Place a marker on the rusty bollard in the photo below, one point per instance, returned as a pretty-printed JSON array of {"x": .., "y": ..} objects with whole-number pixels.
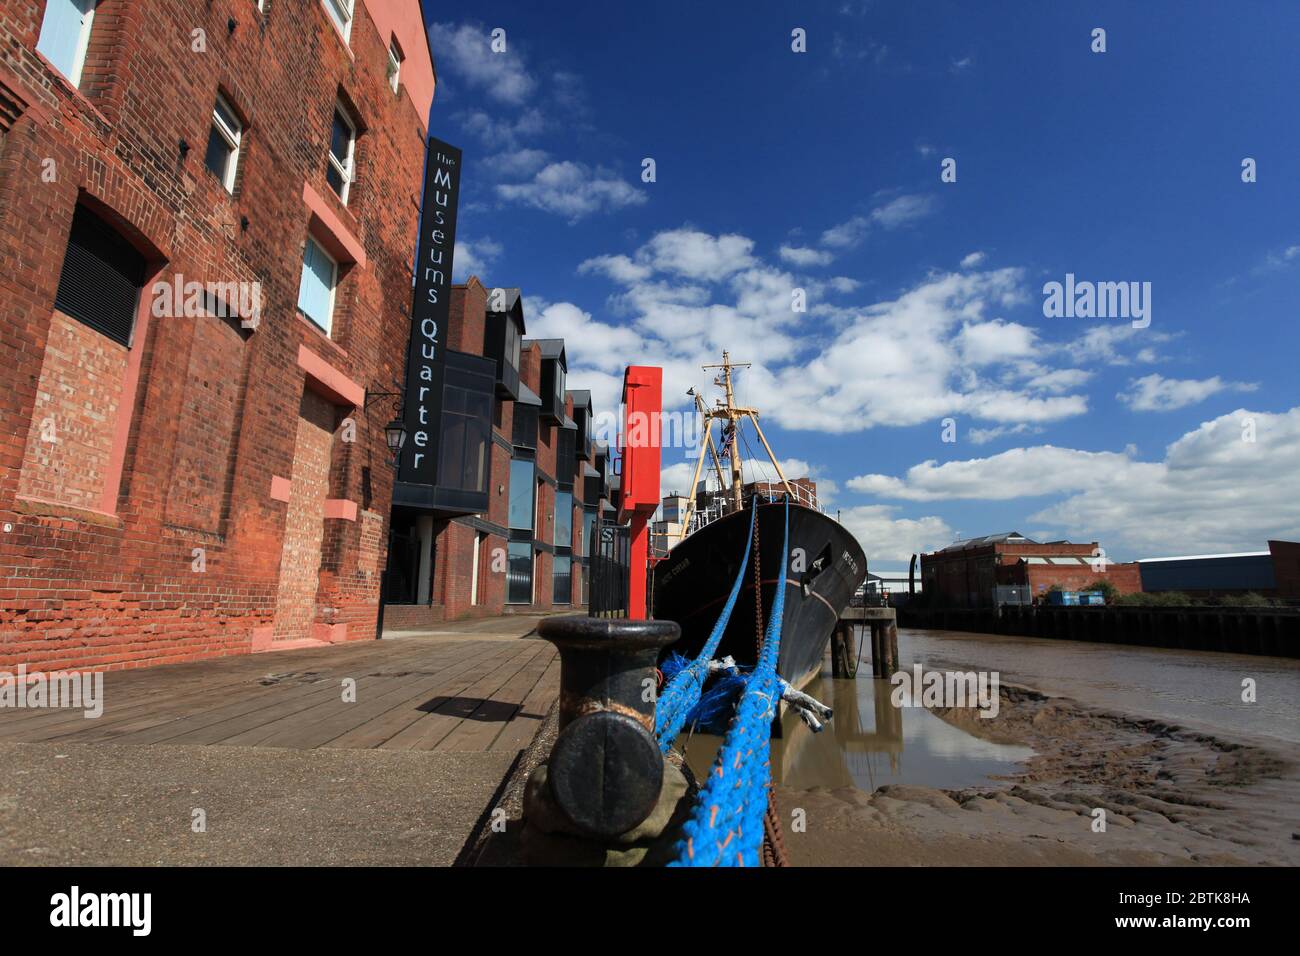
[{"x": 605, "y": 771}]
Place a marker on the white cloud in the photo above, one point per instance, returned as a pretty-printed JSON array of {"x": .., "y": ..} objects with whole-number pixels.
[
  {"x": 619, "y": 268},
  {"x": 844, "y": 284},
  {"x": 804, "y": 256},
  {"x": 573, "y": 190},
  {"x": 473, "y": 257},
  {"x": 972, "y": 260},
  {"x": 1060, "y": 379},
  {"x": 463, "y": 51},
  {"x": 897, "y": 212},
  {"x": 996, "y": 341},
  {"x": 517, "y": 162},
  {"x": 982, "y": 436},
  {"x": 1155, "y": 393},
  {"x": 698, "y": 255},
  {"x": 1213, "y": 491},
  {"x": 885, "y": 537}
]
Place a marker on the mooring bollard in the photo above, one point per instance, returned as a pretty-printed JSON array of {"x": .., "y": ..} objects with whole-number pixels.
[{"x": 606, "y": 771}]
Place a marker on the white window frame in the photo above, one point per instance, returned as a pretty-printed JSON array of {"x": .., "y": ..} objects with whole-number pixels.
[
  {"x": 83, "y": 44},
  {"x": 394, "y": 66},
  {"x": 233, "y": 138},
  {"x": 328, "y": 328},
  {"x": 473, "y": 584},
  {"x": 348, "y": 171},
  {"x": 342, "y": 13}
]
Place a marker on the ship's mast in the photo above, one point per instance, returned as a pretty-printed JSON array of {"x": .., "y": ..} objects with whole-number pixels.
[{"x": 728, "y": 412}]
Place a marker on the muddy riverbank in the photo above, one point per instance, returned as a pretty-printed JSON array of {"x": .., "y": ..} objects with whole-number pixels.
[{"x": 1170, "y": 795}]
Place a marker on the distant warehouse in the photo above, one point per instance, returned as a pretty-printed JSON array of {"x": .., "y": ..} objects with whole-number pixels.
[{"x": 1272, "y": 573}]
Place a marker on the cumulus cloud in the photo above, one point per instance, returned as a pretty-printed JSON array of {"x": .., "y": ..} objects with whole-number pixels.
[
  {"x": 474, "y": 257},
  {"x": 465, "y": 50},
  {"x": 1214, "y": 489},
  {"x": 886, "y": 537},
  {"x": 1155, "y": 393},
  {"x": 573, "y": 190},
  {"x": 972, "y": 260},
  {"x": 805, "y": 256}
]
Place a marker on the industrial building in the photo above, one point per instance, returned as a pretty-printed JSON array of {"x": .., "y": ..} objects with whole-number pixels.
[
  {"x": 1271, "y": 573},
  {"x": 969, "y": 573}
]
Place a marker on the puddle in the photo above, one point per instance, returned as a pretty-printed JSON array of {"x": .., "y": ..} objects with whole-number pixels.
[{"x": 869, "y": 743}]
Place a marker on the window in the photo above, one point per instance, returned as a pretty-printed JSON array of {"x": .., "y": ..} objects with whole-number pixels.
[
  {"x": 320, "y": 275},
  {"x": 563, "y": 593},
  {"x": 223, "y": 143},
  {"x": 588, "y": 523},
  {"x": 65, "y": 35},
  {"x": 394, "y": 64},
  {"x": 521, "y": 495},
  {"x": 525, "y": 426},
  {"x": 474, "y": 597},
  {"x": 512, "y": 344},
  {"x": 339, "y": 171},
  {"x": 466, "y": 435},
  {"x": 559, "y": 384},
  {"x": 519, "y": 573},
  {"x": 340, "y": 12},
  {"x": 563, "y": 519},
  {"x": 101, "y": 278}
]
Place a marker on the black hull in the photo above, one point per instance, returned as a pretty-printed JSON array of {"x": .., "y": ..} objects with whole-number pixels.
[{"x": 691, "y": 585}]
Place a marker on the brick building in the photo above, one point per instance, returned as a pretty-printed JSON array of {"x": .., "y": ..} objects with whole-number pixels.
[
  {"x": 207, "y": 219},
  {"x": 966, "y": 573},
  {"x": 520, "y": 543}
]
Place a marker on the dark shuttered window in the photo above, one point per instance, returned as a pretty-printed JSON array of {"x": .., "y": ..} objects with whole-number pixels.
[{"x": 101, "y": 278}]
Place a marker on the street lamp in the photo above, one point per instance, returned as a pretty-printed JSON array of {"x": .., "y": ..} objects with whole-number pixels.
[{"x": 395, "y": 435}]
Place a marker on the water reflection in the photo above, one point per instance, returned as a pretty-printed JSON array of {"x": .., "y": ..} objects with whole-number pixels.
[{"x": 870, "y": 743}]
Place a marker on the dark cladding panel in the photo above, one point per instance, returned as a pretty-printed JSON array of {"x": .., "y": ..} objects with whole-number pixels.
[{"x": 426, "y": 354}]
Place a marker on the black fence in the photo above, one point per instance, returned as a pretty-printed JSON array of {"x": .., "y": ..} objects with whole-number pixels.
[{"x": 609, "y": 549}]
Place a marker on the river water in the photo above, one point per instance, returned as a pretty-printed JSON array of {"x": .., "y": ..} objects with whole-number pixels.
[{"x": 870, "y": 743}]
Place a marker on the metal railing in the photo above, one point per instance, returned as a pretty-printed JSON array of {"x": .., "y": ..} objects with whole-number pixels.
[{"x": 610, "y": 561}]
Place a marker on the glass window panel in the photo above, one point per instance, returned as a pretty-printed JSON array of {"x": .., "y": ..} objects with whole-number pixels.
[
  {"x": 65, "y": 34},
  {"x": 563, "y": 593},
  {"x": 563, "y": 519},
  {"x": 521, "y": 495},
  {"x": 315, "y": 293},
  {"x": 519, "y": 573}
]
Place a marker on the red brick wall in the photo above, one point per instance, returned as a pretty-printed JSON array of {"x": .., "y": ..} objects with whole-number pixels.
[
  {"x": 207, "y": 421},
  {"x": 69, "y": 439},
  {"x": 1286, "y": 568}
]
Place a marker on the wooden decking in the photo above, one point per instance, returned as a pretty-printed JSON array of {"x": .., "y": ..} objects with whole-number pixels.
[{"x": 418, "y": 693}]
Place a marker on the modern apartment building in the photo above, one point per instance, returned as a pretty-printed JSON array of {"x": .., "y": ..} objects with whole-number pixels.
[
  {"x": 208, "y": 213},
  {"x": 520, "y": 543}
]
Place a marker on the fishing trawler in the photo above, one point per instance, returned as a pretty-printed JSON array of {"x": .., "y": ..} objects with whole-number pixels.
[{"x": 692, "y": 582}]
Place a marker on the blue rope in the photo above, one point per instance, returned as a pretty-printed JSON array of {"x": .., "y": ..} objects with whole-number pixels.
[
  {"x": 684, "y": 687},
  {"x": 725, "y": 827}
]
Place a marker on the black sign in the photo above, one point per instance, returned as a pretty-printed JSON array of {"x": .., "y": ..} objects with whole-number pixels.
[{"x": 425, "y": 358}]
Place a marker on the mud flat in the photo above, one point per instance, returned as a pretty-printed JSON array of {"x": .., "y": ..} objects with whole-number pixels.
[{"x": 1172, "y": 795}]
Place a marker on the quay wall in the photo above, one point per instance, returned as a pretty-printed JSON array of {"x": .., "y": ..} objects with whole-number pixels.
[{"x": 1273, "y": 632}]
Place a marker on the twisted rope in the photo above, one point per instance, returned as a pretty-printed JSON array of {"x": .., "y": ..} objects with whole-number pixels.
[
  {"x": 725, "y": 827},
  {"x": 683, "y": 690}
]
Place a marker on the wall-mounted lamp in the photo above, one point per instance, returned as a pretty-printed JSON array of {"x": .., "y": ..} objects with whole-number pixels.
[{"x": 395, "y": 430}]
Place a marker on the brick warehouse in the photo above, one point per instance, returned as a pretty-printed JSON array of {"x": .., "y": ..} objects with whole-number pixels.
[
  {"x": 186, "y": 482},
  {"x": 966, "y": 573},
  {"x": 521, "y": 545}
]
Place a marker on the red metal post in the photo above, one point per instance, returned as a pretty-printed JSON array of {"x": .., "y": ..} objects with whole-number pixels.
[{"x": 641, "y": 459}]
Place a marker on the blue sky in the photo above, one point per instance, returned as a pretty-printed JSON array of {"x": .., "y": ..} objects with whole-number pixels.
[{"x": 820, "y": 171}]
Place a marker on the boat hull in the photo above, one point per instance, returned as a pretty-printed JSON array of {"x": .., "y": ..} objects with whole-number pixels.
[{"x": 692, "y": 583}]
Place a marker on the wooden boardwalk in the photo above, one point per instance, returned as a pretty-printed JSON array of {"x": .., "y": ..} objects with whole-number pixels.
[{"x": 447, "y": 694}]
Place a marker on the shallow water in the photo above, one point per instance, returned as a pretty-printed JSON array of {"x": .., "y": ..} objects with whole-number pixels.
[
  {"x": 1200, "y": 688},
  {"x": 870, "y": 743}
]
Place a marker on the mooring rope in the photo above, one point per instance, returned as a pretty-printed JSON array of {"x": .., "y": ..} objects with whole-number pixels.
[
  {"x": 683, "y": 690},
  {"x": 726, "y": 825}
]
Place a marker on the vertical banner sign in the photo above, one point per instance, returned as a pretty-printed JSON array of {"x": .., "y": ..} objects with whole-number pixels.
[{"x": 425, "y": 361}]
